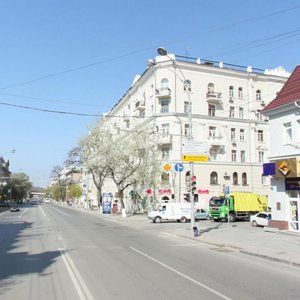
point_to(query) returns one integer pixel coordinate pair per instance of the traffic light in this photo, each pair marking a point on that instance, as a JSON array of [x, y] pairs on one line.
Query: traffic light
[[187, 197], [194, 184]]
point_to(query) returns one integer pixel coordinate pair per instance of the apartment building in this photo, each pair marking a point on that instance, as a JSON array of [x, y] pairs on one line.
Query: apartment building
[[215, 105], [284, 155]]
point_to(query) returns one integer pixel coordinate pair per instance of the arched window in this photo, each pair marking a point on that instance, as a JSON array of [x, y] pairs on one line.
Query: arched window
[[187, 85], [164, 84], [258, 95], [213, 178], [235, 178], [231, 92], [165, 178], [240, 93], [210, 88], [244, 179]]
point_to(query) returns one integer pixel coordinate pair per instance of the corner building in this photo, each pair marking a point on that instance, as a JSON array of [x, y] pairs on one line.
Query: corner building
[[226, 118]]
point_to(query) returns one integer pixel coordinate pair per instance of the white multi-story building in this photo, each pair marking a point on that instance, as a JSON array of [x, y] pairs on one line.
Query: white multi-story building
[[284, 155], [227, 123]]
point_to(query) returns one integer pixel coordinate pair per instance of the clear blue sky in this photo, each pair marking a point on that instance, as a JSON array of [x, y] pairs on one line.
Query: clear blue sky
[[81, 57]]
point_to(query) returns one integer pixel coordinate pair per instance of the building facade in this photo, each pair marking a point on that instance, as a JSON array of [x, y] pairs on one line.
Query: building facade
[[215, 106], [284, 156]]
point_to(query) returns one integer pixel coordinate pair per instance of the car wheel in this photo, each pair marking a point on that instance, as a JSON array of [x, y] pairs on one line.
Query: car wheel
[[207, 218], [183, 220], [254, 223], [157, 220]]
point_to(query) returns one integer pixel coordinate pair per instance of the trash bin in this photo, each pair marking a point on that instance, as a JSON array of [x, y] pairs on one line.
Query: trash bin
[[195, 230]]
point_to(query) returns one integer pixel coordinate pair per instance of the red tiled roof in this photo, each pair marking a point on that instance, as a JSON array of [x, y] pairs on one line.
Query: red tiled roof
[[289, 93]]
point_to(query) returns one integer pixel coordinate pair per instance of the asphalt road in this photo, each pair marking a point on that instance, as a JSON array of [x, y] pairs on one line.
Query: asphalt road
[[52, 252]]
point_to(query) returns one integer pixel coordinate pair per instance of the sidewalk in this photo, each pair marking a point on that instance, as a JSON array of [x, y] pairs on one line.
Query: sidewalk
[[274, 245]]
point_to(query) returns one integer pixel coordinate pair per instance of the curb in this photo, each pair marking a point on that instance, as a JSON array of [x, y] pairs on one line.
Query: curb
[[266, 257]]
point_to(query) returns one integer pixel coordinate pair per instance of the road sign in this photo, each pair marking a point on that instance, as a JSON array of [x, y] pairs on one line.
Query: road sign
[[194, 158], [179, 167], [227, 190], [167, 168]]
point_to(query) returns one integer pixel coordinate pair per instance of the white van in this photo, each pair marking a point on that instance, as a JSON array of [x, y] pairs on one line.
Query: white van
[[180, 212]]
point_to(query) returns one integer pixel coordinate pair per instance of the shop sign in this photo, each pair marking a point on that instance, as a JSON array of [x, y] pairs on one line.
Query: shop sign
[[292, 184]]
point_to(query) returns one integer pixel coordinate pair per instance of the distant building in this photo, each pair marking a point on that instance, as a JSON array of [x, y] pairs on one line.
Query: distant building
[[284, 118], [229, 130]]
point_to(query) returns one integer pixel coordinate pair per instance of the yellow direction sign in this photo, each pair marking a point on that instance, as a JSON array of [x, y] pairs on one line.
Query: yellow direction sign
[[194, 158]]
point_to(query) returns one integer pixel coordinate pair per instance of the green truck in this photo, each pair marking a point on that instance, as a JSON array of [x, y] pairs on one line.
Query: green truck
[[241, 206]]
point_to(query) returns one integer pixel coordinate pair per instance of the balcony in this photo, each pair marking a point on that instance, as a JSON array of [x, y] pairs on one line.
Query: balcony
[[163, 93], [216, 141], [214, 97], [140, 105], [163, 139]]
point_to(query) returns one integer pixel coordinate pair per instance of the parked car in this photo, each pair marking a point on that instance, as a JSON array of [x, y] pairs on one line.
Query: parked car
[[260, 219], [201, 214], [14, 207]]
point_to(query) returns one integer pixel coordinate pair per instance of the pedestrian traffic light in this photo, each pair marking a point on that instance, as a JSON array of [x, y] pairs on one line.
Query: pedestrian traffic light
[[194, 184]]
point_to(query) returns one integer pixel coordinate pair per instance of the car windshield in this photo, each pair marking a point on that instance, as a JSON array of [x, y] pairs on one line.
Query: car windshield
[[217, 201]]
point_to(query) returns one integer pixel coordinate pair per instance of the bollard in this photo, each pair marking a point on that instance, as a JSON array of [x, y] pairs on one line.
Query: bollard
[[195, 230]]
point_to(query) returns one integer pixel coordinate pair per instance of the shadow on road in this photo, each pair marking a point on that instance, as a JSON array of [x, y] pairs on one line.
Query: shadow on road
[[14, 263]]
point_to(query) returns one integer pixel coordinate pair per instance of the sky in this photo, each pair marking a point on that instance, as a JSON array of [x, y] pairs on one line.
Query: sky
[[63, 62]]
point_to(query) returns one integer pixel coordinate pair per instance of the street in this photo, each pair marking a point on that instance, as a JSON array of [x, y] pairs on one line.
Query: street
[[53, 252]]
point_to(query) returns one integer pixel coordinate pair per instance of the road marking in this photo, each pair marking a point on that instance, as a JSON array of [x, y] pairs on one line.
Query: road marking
[[42, 211], [80, 286], [61, 212], [20, 216], [181, 274]]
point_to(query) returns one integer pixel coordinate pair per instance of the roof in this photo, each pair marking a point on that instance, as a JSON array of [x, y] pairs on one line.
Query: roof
[[289, 93]]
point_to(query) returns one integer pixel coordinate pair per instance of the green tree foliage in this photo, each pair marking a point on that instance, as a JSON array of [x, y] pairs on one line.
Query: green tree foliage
[[75, 191]]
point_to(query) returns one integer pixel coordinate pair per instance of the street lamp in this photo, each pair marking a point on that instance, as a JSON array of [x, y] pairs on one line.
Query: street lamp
[[163, 52]]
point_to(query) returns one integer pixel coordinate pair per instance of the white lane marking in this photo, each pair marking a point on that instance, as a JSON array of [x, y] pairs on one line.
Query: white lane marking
[[42, 211], [20, 216], [181, 274], [61, 212], [80, 286]]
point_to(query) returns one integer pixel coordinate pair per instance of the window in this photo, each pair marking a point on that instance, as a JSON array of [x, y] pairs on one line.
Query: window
[[278, 206], [240, 93], [211, 110], [241, 112], [242, 134], [165, 128], [187, 85], [261, 156], [244, 179], [213, 178], [233, 135], [233, 155], [186, 130], [165, 153], [259, 115], [235, 178], [258, 95], [164, 84], [231, 92], [186, 107], [212, 131], [164, 106], [260, 135], [243, 156], [288, 133], [165, 179], [231, 112]]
